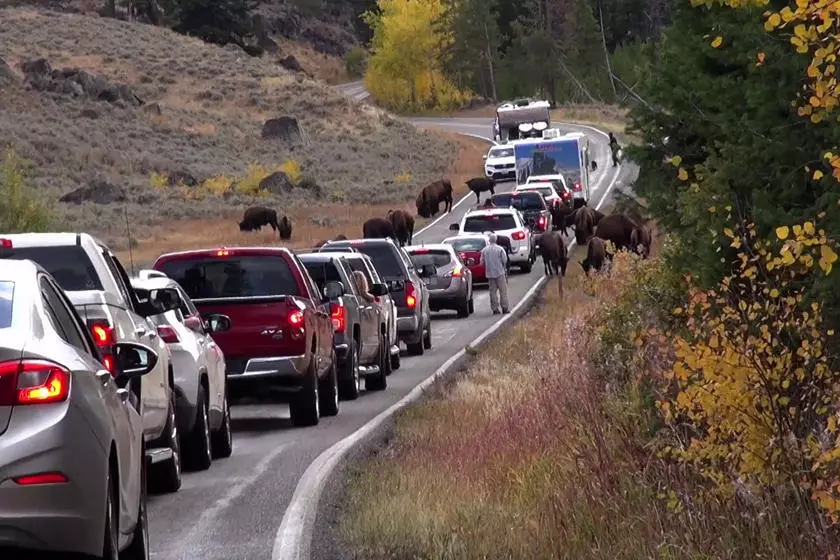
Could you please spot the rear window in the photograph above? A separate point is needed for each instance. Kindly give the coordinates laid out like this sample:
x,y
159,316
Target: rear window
x,y
322,272
235,276
547,192
7,295
495,222
520,201
437,258
69,265
384,258
468,244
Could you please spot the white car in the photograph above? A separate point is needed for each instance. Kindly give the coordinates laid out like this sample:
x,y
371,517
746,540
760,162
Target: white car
x,y
202,411
554,191
500,163
502,221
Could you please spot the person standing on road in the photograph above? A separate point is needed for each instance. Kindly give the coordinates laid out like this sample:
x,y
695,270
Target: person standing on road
x,y
614,148
495,265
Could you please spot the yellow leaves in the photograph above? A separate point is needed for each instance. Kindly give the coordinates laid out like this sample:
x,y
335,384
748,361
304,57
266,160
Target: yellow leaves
x,y
683,174
759,58
772,22
774,293
782,232
809,228
717,42
827,258
728,233
676,161
818,175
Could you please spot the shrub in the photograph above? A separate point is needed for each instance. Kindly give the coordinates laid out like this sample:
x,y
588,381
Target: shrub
x,y
21,211
159,181
403,178
250,183
355,61
292,169
218,185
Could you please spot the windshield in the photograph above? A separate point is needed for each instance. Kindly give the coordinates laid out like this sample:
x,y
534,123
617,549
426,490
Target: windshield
x,y
422,257
468,244
230,277
7,294
521,201
322,272
384,258
492,222
501,153
69,265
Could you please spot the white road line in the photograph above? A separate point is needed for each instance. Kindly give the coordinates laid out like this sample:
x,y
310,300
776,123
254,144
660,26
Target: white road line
x,y
293,540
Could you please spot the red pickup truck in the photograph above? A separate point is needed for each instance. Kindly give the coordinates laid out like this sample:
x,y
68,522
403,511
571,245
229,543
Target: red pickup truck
x,y
281,335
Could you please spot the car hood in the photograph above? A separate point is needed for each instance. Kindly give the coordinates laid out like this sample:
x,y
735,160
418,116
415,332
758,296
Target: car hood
x,y
501,160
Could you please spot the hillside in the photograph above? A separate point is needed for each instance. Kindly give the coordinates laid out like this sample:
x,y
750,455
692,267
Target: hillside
x,y
174,107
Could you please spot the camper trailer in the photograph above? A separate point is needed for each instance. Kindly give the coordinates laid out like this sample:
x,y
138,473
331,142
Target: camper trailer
x,y
521,119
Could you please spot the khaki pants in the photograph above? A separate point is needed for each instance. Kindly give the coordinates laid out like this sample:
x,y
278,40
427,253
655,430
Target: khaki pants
x,y
498,289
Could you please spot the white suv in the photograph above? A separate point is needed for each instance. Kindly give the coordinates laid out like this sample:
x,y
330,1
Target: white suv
x,y
500,163
502,221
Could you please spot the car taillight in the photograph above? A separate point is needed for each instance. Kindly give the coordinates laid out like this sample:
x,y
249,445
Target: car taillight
x,y
339,319
296,318
41,478
410,298
297,330
223,253
5,243
578,187
457,272
33,382
103,336
541,222
518,235
168,334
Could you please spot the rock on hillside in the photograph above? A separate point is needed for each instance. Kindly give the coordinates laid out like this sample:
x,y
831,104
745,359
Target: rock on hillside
x,y
202,115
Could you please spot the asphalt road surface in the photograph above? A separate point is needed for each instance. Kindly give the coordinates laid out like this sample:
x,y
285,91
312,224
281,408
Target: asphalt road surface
x,y
232,511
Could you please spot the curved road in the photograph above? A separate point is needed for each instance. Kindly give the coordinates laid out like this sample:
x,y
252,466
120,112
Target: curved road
x,y
232,511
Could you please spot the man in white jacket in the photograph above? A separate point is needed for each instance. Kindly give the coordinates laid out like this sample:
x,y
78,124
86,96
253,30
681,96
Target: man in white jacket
x,y
495,260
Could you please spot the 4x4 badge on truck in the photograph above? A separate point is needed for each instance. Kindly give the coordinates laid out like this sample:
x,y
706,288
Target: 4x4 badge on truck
x,y
274,333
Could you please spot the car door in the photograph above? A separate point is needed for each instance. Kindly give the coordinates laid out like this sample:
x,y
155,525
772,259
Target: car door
x,y
370,324
211,357
324,328
371,336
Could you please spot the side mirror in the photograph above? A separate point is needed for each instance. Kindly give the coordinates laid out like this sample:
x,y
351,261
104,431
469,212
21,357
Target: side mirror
x,y
594,165
484,156
333,290
163,300
454,227
195,323
133,360
428,270
379,290
215,323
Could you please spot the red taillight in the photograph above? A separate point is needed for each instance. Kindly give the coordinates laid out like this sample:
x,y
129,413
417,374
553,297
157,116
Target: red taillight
x,y
566,194
33,382
42,478
410,298
419,251
339,319
6,243
103,336
168,334
578,187
458,272
518,235
296,318
541,222
223,253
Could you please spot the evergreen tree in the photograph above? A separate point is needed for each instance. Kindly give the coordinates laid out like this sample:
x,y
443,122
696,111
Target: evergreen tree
x,y
216,21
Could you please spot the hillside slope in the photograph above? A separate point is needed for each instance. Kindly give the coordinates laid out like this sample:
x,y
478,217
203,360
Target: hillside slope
x,y
191,110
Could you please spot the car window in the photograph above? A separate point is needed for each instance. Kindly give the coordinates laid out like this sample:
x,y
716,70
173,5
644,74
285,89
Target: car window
x,y
501,153
467,244
69,265
384,258
68,328
520,200
125,289
422,257
547,192
186,306
322,272
359,265
7,298
492,222
234,276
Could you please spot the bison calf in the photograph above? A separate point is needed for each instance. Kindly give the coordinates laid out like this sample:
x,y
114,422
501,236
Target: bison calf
x,y
596,254
258,216
554,254
640,241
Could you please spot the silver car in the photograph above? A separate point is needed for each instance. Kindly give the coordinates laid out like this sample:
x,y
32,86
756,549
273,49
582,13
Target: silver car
x,y
72,468
448,279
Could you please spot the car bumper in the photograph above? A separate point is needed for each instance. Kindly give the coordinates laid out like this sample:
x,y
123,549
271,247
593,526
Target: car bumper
x,y
407,325
281,372
449,297
520,255
67,517
341,345
500,173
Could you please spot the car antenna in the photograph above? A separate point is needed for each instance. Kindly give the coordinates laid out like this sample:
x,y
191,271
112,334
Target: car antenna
x,y
128,233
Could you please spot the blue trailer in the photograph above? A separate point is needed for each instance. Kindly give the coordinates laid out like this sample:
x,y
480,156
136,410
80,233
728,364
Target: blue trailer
x,y
554,154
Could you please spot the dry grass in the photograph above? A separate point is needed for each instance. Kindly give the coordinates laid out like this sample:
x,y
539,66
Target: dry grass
x,y
213,101
533,455
325,67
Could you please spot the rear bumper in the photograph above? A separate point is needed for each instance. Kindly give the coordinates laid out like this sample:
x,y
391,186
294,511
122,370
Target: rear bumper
x,y
407,326
521,255
341,346
281,372
450,297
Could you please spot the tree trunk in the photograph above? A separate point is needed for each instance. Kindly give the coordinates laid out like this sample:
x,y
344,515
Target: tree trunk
x,y
606,52
490,64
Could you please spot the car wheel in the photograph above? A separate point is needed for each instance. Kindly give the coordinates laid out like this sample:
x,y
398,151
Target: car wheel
x,y
305,408
111,546
526,268
139,547
379,382
416,348
464,309
221,441
328,390
471,305
396,362
166,475
349,381
427,338
197,448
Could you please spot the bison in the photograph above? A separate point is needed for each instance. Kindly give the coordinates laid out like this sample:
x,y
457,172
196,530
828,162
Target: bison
x,y
584,219
258,216
640,237
403,224
560,218
479,185
596,254
377,228
340,237
554,254
285,228
617,228
429,199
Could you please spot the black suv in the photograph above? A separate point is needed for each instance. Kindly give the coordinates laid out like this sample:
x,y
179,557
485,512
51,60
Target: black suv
x,y
414,323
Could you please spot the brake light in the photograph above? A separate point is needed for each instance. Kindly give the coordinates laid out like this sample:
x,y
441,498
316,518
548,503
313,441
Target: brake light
x,y
296,318
42,478
566,194
541,222
223,253
458,272
33,382
410,298
103,336
339,319
6,243
419,251
518,235
578,187
168,334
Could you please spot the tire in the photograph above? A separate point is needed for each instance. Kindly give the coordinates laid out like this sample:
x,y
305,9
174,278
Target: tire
x,y
471,305
349,381
464,309
427,337
416,348
379,382
305,407
328,390
221,441
165,477
198,453
111,546
139,547
396,362
526,268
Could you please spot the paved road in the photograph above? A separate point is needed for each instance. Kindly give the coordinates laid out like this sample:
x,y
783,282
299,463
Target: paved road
x,y
356,90
232,511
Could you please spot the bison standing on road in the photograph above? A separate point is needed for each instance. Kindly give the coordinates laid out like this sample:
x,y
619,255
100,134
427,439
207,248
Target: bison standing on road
x,y
561,218
641,238
479,185
285,228
403,224
258,216
554,254
596,254
429,199
617,228
377,228
584,219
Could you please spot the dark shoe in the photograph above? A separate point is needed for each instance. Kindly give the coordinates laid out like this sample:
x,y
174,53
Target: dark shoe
x,y
505,311
495,312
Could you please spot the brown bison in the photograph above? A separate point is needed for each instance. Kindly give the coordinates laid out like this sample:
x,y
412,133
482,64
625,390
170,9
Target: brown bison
x,y
258,216
596,255
285,228
320,244
560,218
585,219
340,237
479,185
617,228
429,199
554,254
640,241
403,224
377,228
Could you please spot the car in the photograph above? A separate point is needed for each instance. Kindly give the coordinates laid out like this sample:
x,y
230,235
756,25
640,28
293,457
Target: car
x,y
414,319
553,188
449,280
469,249
500,163
533,208
361,334
72,464
281,338
202,410
507,222
96,282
